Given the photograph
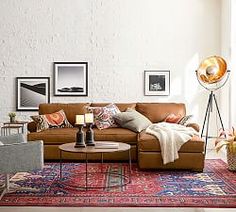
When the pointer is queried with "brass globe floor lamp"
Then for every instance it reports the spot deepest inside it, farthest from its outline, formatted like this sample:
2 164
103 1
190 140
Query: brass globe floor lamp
212 74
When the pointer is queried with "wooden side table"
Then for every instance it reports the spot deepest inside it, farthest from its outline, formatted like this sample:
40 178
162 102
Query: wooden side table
17 125
6 130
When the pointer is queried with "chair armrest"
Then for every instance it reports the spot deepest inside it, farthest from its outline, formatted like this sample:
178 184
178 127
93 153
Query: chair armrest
32 126
194 126
21 157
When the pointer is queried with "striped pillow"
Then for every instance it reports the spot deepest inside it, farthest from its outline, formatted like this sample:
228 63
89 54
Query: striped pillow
184 120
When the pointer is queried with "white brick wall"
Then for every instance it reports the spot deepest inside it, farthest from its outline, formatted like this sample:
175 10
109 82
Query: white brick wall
119 38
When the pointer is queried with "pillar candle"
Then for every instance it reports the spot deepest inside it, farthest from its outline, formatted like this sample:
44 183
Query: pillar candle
79 119
89 118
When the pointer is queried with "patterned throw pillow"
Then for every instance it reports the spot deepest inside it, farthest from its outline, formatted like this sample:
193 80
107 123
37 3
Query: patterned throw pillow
103 116
184 120
53 120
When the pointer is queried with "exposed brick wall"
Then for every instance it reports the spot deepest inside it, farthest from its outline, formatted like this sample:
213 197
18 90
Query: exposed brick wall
119 38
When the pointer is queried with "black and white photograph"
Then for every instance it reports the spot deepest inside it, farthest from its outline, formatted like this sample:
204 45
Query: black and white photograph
70 78
156 83
31 91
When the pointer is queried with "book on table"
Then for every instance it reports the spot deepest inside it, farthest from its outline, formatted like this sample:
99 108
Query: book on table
106 145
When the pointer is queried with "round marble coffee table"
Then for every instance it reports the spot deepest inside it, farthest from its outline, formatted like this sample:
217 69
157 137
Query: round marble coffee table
98 148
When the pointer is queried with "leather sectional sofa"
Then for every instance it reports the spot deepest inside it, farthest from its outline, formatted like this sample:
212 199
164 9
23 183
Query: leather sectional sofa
145 148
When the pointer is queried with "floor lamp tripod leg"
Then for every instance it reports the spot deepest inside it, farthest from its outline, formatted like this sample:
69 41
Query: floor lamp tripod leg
207 125
207 109
218 111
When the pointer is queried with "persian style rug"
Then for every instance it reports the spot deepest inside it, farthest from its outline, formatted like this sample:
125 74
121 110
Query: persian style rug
215 187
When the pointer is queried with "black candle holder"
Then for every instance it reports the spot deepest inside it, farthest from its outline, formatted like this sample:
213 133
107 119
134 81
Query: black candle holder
80 137
90 136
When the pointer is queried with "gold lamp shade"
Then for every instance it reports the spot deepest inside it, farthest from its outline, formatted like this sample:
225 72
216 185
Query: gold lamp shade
212 69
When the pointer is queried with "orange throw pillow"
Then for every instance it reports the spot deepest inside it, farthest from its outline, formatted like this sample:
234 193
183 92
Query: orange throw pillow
53 120
172 118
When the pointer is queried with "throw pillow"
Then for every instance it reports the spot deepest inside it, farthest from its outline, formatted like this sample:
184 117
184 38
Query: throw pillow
178 119
133 120
103 116
172 118
184 120
53 120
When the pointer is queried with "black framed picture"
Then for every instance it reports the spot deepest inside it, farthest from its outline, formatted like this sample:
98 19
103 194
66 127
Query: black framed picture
32 91
156 83
70 78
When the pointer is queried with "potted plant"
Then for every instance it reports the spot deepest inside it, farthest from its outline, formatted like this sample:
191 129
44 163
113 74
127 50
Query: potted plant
12 116
228 138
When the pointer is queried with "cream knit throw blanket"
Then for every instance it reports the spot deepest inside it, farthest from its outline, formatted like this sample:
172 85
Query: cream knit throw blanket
171 137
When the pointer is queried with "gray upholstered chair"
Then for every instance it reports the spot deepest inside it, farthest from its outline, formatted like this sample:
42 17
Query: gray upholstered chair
18 155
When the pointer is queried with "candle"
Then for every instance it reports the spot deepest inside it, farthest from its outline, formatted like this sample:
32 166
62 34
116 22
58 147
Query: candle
79 119
89 118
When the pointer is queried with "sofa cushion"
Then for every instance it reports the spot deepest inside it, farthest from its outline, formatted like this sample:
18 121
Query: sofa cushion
54 136
115 134
67 135
157 112
122 106
149 143
133 120
70 109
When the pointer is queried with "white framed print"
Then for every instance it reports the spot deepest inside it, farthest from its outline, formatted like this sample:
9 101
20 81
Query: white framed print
70 78
156 83
32 91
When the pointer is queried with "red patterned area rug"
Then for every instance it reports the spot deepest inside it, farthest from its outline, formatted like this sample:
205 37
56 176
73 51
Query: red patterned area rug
215 187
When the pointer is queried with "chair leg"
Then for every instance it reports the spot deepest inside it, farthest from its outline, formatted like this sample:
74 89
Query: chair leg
7 182
6 186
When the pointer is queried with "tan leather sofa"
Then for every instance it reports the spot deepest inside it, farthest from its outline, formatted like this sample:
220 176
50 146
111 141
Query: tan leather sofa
145 148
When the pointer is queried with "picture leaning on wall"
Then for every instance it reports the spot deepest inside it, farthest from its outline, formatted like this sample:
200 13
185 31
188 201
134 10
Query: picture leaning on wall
156 83
70 78
32 91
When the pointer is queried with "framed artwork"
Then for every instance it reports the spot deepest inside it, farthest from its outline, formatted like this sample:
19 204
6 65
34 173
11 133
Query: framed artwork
32 91
156 83
70 78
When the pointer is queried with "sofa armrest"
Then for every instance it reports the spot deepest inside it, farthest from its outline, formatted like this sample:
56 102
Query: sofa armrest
194 126
32 126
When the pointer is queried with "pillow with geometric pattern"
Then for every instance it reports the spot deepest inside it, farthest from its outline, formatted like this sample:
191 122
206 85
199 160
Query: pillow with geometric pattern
53 120
103 116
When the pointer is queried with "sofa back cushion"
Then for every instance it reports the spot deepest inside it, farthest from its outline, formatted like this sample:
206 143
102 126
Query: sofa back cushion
157 112
122 106
70 109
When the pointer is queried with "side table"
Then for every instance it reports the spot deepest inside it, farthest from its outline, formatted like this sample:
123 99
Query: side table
6 130
17 125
